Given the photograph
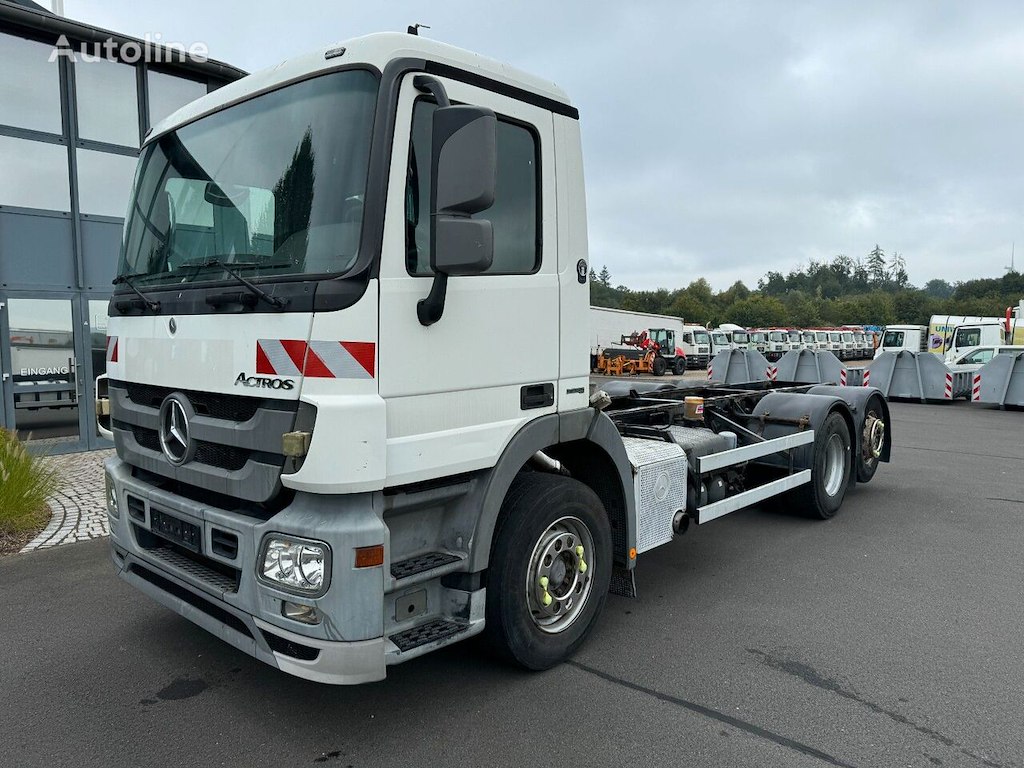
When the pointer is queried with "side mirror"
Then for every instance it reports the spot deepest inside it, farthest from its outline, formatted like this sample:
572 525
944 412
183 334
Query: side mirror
464 168
464 165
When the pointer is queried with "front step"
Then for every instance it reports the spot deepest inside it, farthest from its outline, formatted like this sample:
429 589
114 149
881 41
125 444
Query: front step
431 632
428 561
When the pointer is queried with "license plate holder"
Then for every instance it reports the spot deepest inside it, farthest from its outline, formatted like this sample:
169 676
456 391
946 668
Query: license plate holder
181 532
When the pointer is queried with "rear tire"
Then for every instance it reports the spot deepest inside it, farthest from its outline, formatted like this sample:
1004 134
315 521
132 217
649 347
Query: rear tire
831 470
659 366
541 604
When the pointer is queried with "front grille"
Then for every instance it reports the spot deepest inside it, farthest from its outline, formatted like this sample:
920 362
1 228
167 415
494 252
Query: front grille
223 456
216 406
226 457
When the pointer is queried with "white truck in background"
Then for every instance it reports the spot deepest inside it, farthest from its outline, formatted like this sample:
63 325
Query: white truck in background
720 342
282 479
609 326
952 335
898 337
696 344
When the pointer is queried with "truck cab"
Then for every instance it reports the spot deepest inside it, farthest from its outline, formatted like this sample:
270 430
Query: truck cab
897 337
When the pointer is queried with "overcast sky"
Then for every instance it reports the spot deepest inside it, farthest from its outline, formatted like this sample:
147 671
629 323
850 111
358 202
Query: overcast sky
726 139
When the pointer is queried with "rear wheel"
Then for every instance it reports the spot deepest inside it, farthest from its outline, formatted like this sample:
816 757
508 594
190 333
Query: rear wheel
659 366
550 569
831 470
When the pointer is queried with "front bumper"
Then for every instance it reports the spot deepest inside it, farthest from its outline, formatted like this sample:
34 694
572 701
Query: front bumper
219 590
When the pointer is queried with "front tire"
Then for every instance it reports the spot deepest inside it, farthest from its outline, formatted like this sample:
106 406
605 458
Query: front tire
544 594
679 366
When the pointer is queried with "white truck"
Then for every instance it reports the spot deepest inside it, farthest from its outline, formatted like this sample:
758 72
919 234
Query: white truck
952 335
696 343
897 337
608 327
303 467
720 342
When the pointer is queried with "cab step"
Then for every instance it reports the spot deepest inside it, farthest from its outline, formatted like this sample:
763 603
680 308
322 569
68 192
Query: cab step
424 563
431 632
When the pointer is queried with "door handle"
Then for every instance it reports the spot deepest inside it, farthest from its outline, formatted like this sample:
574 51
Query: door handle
536 396
5 377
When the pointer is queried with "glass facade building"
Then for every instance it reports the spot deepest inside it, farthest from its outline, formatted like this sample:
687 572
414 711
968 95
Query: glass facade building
70 131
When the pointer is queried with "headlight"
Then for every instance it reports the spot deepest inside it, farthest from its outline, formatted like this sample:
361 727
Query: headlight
296 565
111 492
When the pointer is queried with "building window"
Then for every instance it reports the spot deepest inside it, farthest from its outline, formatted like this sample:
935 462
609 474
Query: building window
168 93
35 174
108 102
104 182
514 215
30 85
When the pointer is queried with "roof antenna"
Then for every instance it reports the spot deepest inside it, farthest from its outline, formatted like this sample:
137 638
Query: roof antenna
414 29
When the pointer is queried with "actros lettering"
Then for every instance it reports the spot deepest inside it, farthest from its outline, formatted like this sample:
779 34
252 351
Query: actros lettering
263 382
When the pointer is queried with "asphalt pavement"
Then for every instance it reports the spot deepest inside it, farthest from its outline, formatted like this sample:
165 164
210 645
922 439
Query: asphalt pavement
892 635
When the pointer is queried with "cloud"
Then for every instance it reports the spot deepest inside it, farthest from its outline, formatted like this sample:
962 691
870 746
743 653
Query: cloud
726 139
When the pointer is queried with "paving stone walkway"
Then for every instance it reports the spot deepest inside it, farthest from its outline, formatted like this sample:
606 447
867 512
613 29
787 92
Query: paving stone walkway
79 508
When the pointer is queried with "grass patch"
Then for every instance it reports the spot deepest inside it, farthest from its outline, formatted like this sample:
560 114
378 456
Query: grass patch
25 483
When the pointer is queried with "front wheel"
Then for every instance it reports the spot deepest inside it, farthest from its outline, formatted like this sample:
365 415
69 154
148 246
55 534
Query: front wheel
550 569
679 366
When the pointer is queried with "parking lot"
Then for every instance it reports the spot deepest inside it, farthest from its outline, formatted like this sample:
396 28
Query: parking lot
892 635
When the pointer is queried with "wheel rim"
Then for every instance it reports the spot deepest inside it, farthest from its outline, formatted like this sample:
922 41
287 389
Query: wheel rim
835 464
560 574
874 437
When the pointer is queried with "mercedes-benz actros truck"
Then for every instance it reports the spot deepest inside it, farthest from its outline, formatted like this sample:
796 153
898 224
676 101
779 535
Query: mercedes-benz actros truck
348 376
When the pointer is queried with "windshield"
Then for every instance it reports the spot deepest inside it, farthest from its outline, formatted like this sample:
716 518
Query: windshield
794 336
740 337
778 336
757 337
808 338
967 337
720 339
892 339
702 337
274 185
848 337
822 336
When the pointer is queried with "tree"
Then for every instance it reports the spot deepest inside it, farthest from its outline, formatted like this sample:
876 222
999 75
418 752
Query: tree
877 271
938 289
898 270
605 277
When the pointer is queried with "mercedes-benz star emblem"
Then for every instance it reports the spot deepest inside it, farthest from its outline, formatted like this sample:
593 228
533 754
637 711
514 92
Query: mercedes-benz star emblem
172 326
175 441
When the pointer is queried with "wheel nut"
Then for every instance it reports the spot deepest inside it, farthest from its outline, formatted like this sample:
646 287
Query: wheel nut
579 551
583 565
544 582
545 599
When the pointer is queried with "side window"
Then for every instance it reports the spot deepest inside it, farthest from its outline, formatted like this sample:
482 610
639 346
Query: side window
515 214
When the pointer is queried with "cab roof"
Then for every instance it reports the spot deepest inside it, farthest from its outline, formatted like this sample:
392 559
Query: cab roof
376 50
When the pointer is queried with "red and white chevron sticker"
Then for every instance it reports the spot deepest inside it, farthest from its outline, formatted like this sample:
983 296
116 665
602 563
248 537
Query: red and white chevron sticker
842 377
111 349
948 392
976 388
867 378
316 359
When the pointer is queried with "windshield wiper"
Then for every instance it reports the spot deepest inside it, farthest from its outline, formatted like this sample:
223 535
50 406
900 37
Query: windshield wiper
154 306
274 301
